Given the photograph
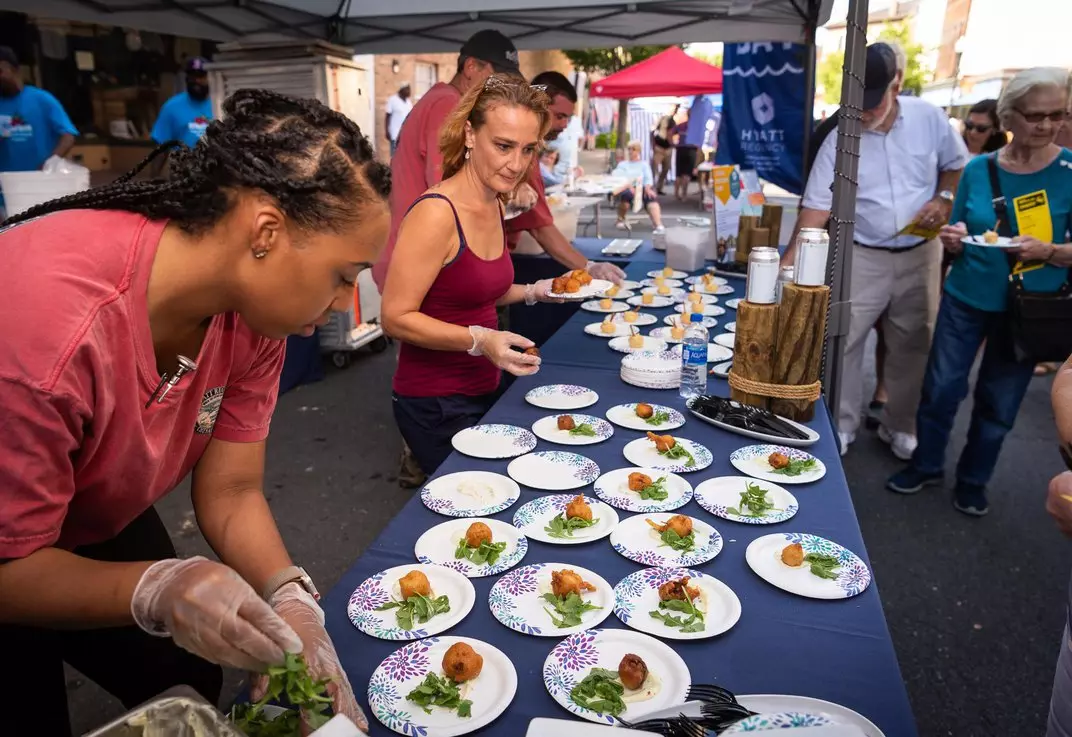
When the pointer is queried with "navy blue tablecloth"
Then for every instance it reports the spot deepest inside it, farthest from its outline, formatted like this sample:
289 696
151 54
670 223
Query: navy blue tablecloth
835 650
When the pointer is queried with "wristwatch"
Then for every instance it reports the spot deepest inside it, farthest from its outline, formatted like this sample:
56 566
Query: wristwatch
947 196
290 574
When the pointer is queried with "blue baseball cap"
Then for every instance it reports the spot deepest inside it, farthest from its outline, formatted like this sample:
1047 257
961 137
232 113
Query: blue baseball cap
197 65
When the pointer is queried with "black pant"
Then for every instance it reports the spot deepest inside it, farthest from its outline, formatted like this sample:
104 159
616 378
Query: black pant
125 661
428 423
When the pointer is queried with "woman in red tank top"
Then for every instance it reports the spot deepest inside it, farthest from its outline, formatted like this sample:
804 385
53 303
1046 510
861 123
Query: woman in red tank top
451 270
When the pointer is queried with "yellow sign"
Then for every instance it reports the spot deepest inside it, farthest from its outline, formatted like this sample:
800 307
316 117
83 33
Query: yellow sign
720 176
920 231
1033 220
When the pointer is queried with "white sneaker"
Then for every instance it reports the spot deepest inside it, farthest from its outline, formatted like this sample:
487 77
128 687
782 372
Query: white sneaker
902 444
620 225
661 230
847 439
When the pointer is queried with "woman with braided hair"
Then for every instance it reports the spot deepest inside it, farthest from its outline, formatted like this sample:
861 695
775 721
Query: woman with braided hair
144 325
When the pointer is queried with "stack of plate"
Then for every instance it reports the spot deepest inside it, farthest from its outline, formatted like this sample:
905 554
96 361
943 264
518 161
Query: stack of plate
652 370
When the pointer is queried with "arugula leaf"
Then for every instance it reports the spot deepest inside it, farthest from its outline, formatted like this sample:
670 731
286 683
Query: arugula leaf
584 429
823 565
676 542
754 499
659 418
570 607
487 552
416 608
292 684
440 691
796 467
693 621
657 491
600 691
678 452
560 527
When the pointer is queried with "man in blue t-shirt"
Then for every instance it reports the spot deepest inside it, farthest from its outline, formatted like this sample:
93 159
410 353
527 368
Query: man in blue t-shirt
185 116
33 124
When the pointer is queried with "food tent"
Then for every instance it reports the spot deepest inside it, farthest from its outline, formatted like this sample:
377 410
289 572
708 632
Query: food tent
410 26
670 73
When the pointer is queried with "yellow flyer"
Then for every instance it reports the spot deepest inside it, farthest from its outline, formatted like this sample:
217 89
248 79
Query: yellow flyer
1033 219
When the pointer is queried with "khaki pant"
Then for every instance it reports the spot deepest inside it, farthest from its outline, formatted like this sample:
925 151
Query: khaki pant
904 286
660 165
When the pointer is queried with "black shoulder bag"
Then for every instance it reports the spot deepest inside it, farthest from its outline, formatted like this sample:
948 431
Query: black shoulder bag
1040 323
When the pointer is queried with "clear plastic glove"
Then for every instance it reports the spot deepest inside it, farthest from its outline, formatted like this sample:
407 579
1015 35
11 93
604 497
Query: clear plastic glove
950 236
604 270
525 198
498 347
212 612
299 610
539 292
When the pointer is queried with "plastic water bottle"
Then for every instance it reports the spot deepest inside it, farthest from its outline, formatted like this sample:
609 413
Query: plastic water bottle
694 359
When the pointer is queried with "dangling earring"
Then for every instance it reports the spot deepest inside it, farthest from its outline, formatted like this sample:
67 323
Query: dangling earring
259 254
467 152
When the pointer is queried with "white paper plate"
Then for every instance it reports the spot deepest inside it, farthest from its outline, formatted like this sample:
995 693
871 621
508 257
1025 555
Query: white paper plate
595 305
537 514
730 327
720 494
638 594
652 345
642 319
769 722
773 703
641 452
470 494
382 588
714 289
715 280
573 658
663 334
715 353
493 441
675 294
620 294
613 488
403 670
708 310
753 461
595 288
811 439
640 542
708 322
764 558
722 371
437 545
705 299
657 302
673 274
672 283
732 303
553 470
624 415
515 600
561 397
546 428
621 329
630 284
977 240
726 340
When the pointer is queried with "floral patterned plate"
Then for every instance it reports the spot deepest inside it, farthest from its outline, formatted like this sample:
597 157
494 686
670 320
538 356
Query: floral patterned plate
730 327
714 280
775 703
516 600
596 305
647 343
624 415
641 452
672 283
383 587
732 303
547 429
561 397
640 542
470 494
706 310
637 595
708 322
437 545
493 441
553 470
753 461
613 488
764 556
664 334
403 670
573 658
672 274
533 517
665 291
783 720
719 495
657 301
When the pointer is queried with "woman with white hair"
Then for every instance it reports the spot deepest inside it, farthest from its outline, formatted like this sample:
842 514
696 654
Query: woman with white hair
1034 175
636 170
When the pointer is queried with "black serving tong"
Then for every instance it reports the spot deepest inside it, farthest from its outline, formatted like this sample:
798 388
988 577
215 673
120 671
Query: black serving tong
720 710
744 416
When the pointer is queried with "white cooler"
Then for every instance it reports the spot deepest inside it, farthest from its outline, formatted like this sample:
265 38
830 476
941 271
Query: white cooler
25 189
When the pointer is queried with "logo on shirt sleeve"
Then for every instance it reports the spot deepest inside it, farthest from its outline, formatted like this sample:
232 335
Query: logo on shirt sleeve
210 410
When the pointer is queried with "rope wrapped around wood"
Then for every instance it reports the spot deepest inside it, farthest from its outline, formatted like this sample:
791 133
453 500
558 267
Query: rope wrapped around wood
805 392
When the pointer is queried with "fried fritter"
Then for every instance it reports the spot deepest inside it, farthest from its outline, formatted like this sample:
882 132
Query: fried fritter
579 508
572 286
644 411
639 481
566 582
558 285
663 443
414 582
679 590
477 533
679 523
793 555
533 351
778 460
632 672
462 663
565 422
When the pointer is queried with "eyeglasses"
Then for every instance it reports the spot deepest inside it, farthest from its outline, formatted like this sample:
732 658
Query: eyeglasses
496 82
1057 116
981 127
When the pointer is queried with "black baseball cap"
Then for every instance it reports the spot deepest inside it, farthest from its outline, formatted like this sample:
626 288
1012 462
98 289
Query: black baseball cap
196 65
880 71
8 54
494 48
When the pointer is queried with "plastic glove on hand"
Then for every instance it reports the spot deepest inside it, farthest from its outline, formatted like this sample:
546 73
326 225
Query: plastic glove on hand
498 347
607 271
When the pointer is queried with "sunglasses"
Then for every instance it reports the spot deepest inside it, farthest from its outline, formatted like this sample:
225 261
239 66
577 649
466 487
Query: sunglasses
981 127
495 82
1056 116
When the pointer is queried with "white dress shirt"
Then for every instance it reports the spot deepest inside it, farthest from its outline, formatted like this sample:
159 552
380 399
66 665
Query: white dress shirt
898 172
398 109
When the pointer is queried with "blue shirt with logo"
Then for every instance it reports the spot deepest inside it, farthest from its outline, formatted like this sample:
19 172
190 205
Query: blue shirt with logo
31 124
980 275
182 118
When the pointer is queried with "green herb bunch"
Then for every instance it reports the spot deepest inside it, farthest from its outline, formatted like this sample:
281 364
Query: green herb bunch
440 691
290 684
485 553
560 527
600 691
416 609
570 608
754 499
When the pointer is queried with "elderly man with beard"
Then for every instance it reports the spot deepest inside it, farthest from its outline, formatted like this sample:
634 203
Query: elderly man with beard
538 221
910 163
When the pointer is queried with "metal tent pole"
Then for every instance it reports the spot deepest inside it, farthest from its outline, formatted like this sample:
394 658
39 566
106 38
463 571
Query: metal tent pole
843 211
809 90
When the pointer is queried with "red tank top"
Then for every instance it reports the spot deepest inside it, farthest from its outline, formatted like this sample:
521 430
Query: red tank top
464 293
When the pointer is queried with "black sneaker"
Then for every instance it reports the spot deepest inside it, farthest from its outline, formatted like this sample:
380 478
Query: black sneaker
874 415
971 500
911 481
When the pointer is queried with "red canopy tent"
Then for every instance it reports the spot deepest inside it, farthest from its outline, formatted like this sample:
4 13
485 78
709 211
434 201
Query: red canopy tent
670 73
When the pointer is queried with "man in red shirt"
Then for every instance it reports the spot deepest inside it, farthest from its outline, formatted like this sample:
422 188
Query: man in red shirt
538 221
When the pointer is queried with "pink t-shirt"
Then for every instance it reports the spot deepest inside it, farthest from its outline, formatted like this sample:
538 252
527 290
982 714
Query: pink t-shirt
80 454
417 163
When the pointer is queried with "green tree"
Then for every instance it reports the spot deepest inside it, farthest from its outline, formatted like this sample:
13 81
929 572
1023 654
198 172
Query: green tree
828 74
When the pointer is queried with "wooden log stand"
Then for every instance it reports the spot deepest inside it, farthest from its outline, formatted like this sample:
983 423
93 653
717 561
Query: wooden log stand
753 349
799 347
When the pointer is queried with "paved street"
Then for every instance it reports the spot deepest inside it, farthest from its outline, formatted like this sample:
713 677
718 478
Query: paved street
975 606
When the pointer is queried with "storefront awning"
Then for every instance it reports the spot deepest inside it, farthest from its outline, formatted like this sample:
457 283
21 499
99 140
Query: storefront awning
411 26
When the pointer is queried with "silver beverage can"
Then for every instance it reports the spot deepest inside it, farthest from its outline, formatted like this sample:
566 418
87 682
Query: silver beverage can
785 276
762 285
813 248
